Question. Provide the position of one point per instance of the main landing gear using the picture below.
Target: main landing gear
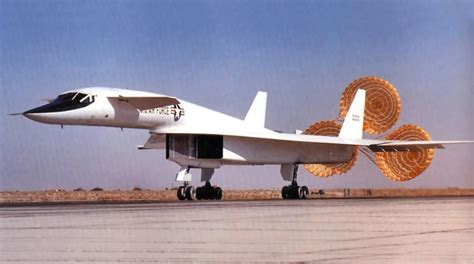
(208, 192)
(292, 191)
(186, 192)
(205, 192)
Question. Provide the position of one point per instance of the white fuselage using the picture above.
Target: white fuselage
(177, 119)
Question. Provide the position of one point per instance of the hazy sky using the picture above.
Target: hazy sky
(219, 54)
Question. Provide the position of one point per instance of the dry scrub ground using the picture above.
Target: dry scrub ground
(61, 196)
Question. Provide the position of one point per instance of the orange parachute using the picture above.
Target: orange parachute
(405, 165)
(382, 103)
(382, 111)
(328, 128)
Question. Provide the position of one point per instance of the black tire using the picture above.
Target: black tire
(211, 194)
(190, 194)
(292, 192)
(199, 193)
(218, 193)
(305, 192)
(299, 192)
(205, 192)
(181, 194)
(285, 192)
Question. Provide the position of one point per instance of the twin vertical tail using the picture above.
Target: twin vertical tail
(256, 114)
(372, 105)
(353, 123)
(351, 128)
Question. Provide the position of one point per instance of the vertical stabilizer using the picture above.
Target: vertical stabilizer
(256, 114)
(354, 121)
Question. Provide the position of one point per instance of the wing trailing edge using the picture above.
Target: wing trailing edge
(399, 146)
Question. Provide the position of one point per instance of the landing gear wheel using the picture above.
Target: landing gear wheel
(199, 193)
(190, 194)
(285, 192)
(300, 192)
(305, 192)
(218, 193)
(181, 193)
(209, 192)
(294, 191)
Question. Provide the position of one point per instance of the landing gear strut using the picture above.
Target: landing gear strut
(186, 192)
(208, 192)
(294, 191)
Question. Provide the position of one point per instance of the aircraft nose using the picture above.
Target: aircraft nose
(36, 114)
(34, 111)
(33, 116)
(30, 113)
(38, 111)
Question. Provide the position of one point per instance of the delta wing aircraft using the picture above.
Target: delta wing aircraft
(195, 137)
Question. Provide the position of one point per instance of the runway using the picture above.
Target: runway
(340, 230)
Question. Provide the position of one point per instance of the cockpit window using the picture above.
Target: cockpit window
(66, 102)
(71, 97)
(66, 97)
(87, 99)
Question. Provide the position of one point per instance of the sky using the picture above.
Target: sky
(219, 54)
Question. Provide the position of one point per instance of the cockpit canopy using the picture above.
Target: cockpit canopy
(75, 98)
(65, 102)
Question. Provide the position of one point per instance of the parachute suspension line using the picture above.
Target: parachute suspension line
(369, 154)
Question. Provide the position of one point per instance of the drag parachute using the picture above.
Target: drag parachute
(382, 111)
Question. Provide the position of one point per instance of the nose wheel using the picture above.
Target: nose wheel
(209, 192)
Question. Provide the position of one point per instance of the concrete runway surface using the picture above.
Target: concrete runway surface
(357, 230)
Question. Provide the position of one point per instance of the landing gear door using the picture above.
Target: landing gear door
(194, 146)
(209, 146)
(180, 146)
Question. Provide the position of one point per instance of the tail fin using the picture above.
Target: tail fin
(256, 114)
(354, 120)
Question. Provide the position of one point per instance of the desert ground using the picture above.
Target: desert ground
(139, 195)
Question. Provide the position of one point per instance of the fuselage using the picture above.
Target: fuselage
(200, 127)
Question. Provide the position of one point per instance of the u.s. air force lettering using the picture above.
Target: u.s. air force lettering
(174, 110)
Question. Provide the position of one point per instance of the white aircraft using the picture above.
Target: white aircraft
(196, 137)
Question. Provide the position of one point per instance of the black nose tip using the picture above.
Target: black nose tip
(37, 110)
(33, 111)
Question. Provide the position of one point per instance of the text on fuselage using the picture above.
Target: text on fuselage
(175, 110)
